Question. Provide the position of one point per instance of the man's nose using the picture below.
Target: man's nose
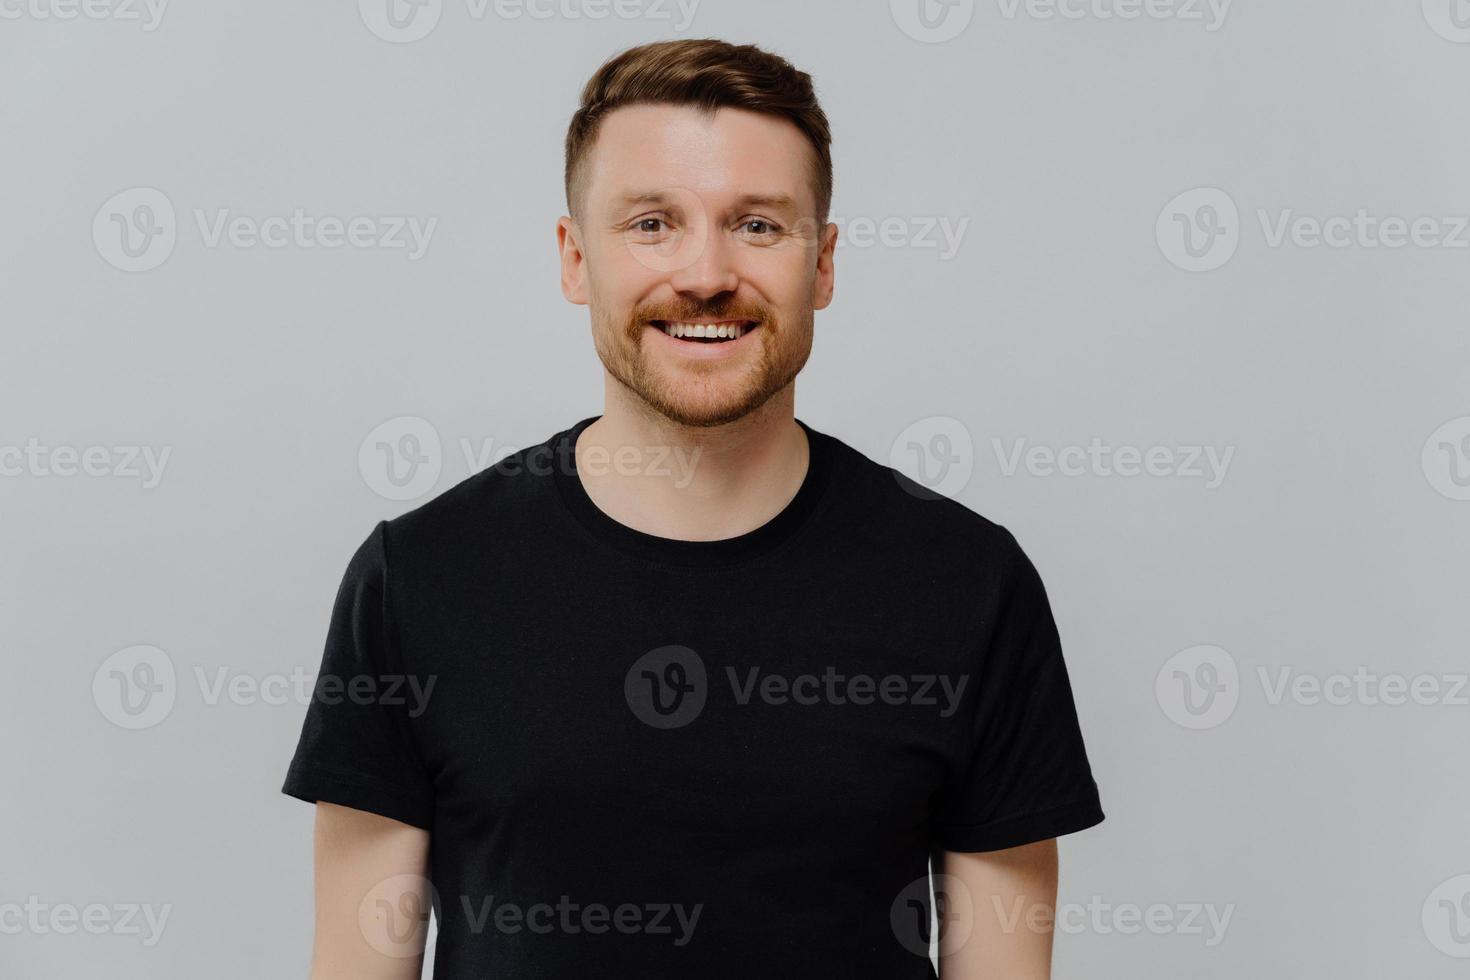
(711, 268)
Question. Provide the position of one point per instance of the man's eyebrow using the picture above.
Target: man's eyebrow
(766, 201)
(633, 198)
(630, 198)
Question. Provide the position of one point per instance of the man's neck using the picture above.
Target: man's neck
(692, 483)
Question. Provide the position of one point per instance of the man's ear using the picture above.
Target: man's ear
(573, 261)
(825, 282)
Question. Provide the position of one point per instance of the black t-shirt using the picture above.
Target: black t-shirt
(646, 757)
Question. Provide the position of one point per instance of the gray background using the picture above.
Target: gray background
(1336, 376)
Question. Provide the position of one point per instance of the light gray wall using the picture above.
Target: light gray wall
(1065, 155)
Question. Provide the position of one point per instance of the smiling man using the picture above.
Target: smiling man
(703, 720)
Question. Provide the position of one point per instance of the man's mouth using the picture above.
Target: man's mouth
(706, 333)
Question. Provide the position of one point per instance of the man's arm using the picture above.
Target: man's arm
(1012, 897)
(372, 902)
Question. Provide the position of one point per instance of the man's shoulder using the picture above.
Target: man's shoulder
(880, 501)
(507, 497)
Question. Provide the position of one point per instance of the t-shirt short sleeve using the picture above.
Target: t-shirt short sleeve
(357, 745)
(1022, 773)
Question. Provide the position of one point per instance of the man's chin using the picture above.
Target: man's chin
(703, 405)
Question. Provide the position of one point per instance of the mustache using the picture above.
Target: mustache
(705, 311)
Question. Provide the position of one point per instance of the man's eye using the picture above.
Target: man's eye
(649, 226)
(759, 227)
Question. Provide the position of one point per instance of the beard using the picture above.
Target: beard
(697, 393)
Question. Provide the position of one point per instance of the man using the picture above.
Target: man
(691, 689)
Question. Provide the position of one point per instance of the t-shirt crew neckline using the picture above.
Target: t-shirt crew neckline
(660, 550)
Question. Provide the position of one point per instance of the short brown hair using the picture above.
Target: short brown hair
(710, 74)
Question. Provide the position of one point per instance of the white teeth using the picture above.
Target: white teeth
(707, 330)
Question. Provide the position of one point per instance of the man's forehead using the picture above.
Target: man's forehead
(649, 153)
